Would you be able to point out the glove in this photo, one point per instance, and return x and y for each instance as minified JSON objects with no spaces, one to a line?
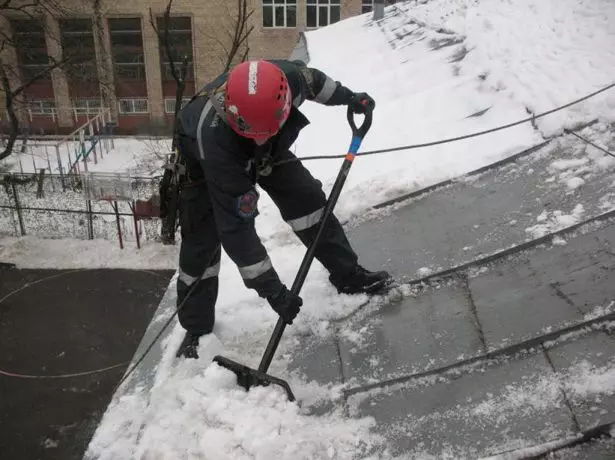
{"x":362,"y":101}
{"x":285,"y":304}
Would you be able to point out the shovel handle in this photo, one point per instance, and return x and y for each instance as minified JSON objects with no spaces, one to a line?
{"x":357,"y":137}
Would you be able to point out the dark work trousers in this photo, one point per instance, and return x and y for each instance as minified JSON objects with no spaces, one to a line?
{"x":300,"y":199}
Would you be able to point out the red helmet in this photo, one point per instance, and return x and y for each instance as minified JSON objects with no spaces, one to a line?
{"x":258,"y":99}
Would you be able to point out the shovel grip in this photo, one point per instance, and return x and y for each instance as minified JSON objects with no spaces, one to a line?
{"x":362,"y":130}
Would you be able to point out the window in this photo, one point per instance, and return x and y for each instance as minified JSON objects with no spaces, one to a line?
{"x":77,"y":38}
{"x":131,"y":106}
{"x":127,"y":48}
{"x":368,"y":5}
{"x":180,"y":43}
{"x":169,"y":104}
{"x":42,"y":107}
{"x":31,"y":48}
{"x":279,"y":13}
{"x":321,"y":13}
{"x":87,"y":106}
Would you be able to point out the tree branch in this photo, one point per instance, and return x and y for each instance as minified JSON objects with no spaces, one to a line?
{"x":43,"y":73}
{"x":14,"y":121}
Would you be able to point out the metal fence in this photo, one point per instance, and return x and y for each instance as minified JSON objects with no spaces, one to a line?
{"x":82,"y":206}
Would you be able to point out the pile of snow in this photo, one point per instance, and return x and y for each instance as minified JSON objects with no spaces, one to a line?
{"x":549,"y":222}
{"x":202,"y":411}
{"x":588,"y":161}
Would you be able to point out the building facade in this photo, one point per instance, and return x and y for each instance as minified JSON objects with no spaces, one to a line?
{"x":118,"y":60}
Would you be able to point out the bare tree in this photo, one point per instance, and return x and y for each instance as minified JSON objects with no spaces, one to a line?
{"x":106,"y":74}
{"x":12,"y":83}
{"x":171,"y":49}
{"x":232,"y":37}
{"x":77,"y":64}
{"x":234,"y":42}
{"x":172,"y":177}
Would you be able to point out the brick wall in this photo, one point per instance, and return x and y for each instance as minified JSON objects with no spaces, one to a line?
{"x":211,"y":22}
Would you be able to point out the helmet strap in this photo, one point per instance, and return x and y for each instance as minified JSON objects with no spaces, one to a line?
{"x":213,"y":97}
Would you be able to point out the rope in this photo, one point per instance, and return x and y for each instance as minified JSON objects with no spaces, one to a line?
{"x":323,"y":157}
{"x":153,"y":342}
{"x":587,"y":141}
{"x":454,"y":139}
{"x":62,"y":376}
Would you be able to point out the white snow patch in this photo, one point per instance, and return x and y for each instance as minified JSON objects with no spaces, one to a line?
{"x":557,"y":220}
{"x":585,"y":379}
{"x":425,"y":271}
{"x":562,"y":165}
{"x":607,"y":202}
{"x":50,"y":443}
{"x":598,"y":311}
{"x":574,"y":183}
{"x":559,"y":241}
{"x":32,"y":252}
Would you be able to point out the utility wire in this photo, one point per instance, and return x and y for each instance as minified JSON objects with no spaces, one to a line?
{"x":567,"y":131}
{"x":373,"y":152}
{"x":454,"y":139}
{"x":62,"y":376}
{"x":155,"y":340}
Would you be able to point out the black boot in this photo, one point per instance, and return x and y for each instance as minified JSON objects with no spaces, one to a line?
{"x":189,"y":346}
{"x":361,"y":281}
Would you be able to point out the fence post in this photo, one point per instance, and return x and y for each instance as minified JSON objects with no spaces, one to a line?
{"x":91,"y":132}
{"x":110,"y":127}
{"x":101,"y":138}
{"x":133,"y":208}
{"x":83,"y":152}
{"x":53,"y":187}
{"x":17,"y":206}
{"x":114,"y":205}
{"x":60,"y":167}
{"x":88,"y":204}
{"x":40,"y":193}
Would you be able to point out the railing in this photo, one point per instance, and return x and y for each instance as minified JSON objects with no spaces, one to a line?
{"x":79,"y":206}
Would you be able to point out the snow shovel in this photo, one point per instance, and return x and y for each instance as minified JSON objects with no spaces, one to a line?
{"x":248,"y":377}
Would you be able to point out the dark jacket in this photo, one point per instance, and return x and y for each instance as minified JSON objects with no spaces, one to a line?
{"x":230,"y":164}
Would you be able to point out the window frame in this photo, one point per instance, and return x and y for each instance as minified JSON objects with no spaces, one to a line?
{"x":31,"y":51}
{"x":87,"y":105}
{"x":42,"y":107}
{"x":133,"y":102}
{"x":132,"y":69}
{"x":169,"y":104}
{"x":273,"y":5}
{"x":182,"y":42}
{"x":317,"y":5}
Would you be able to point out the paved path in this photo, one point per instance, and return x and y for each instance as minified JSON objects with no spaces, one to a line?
{"x":55,"y":322}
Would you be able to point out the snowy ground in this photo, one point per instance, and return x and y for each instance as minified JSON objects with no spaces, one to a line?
{"x":139,"y":157}
{"x":528,"y":54}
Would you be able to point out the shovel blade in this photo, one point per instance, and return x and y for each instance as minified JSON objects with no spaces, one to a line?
{"x":248,"y":377}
